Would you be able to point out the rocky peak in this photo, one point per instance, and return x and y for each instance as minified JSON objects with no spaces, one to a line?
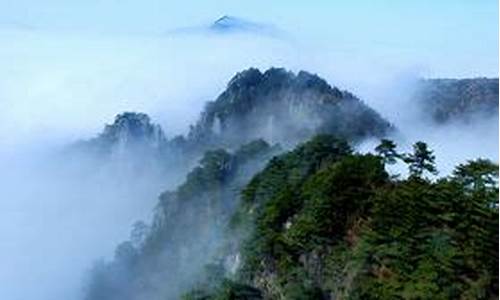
{"x":278,"y":78}
{"x":246,"y":78}
{"x":131,"y":127}
{"x":281,"y":106}
{"x":129,"y":132}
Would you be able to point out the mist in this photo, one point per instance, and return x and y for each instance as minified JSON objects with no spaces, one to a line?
{"x":62,"y":213}
{"x":59,"y":85}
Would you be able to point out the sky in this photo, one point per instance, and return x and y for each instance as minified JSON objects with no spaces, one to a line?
{"x":456,"y":37}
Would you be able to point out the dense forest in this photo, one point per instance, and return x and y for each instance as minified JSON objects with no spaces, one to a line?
{"x":279,"y":205}
{"x":329,"y":223}
{"x":318,"y":222}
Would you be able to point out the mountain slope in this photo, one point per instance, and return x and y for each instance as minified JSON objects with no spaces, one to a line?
{"x":318,"y":222}
{"x":283,"y":107}
{"x":445,"y":100}
{"x":164,"y":258}
{"x":323,"y":222}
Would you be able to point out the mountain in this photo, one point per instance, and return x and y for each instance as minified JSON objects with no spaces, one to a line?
{"x":229,"y":23}
{"x":132,"y":151}
{"x":445,"y":100}
{"x":233,"y":25}
{"x":130,"y":132}
{"x":282,"y":107}
{"x":280,"y":206}
{"x":277,"y":106}
{"x":230,"y":145}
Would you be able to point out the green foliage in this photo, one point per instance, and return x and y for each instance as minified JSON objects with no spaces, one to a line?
{"x":335,"y":197}
{"x":430,"y":241}
{"x":252,"y":150}
{"x":421,"y":160}
{"x":322,"y":222}
{"x":477,"y":174}
{"x":293,"y":167}
{"x":387,"y":150}
{"x":345,"y":228}
{"x":278,"y":181}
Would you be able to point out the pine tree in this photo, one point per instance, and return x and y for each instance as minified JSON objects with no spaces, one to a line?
{"x":477,"y":174}
{"x":422,"y":159}
{"x":387,"y":150}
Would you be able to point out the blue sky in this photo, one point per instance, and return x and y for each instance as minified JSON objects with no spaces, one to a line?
{"x":445,"y":32}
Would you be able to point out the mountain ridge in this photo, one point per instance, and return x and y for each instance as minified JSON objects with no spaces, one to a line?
{"x":276,"y":105}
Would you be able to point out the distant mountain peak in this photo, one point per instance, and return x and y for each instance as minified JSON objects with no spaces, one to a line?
{"x":226,"y":19}
{"x":132,"y":127}
{"x":227,"y":22}
{"x":130,"y":131}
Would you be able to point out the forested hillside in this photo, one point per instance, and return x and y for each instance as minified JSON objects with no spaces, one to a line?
{"x":325,"y":222}
{"x":319,"y":222}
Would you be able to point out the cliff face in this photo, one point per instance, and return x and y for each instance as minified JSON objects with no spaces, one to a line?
{"x":445,"y":100}
{"x":282,"y":107}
